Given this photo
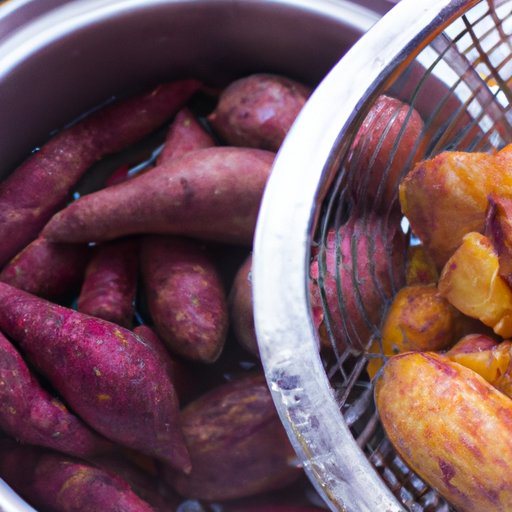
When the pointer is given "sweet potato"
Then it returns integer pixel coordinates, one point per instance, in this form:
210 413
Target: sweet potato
185 134
108 375
56 483
47 269
451 427
387 144
185 296
364 267
109 286
258 110
237 444
241 308
30 414
211 193
36 189
420 267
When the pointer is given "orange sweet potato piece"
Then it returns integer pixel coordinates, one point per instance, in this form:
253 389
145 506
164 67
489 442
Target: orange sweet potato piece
420 267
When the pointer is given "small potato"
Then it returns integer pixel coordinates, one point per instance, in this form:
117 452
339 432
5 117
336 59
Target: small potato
451 427
420 267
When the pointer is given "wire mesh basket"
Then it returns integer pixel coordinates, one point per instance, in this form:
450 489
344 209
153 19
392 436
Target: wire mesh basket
452 63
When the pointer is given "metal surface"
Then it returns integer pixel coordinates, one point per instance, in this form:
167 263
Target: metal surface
459 81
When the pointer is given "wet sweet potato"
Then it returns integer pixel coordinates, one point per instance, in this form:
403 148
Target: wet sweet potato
420 267
107 375
47 269
458 184
110 283
185 295
451 427
211 193
258 110
471 282
37 188
237 444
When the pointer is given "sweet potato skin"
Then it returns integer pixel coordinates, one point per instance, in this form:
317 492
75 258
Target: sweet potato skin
110 283
211 193
258 110
450 426
37 188
185 296
109 376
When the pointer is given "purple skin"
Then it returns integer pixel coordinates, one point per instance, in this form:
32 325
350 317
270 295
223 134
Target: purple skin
185 295
212 193
52 482
185 134
110 283
37 188
112 379
47 269
31 415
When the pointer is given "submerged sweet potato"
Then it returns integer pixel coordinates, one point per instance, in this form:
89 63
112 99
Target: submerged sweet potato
237 444
109 286
451 427
107 375
258 110
30 414
185 296
211 193
37 188
47 269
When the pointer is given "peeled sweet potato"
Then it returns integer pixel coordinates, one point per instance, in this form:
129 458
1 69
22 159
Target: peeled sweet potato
451 427
237 444
37 188
108 375
258 110
185 296
47 269
211 193
420 267
110 283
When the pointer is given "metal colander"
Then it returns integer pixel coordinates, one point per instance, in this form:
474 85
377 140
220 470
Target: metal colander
452 62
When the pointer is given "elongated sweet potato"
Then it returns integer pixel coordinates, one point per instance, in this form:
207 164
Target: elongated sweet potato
185 134
114 381
110 282
237 444
31 415
34 191
47 269
211 193
56 483
451 427
185 296
258 110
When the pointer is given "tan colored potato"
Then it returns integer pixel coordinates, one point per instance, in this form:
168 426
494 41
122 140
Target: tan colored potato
451 427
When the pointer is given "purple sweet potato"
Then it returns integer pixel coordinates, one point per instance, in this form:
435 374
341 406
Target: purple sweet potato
211 193
47 269
258 110
108 375
110 283
185 134
56 483
237 444
31 415
241 308
36 189
185 296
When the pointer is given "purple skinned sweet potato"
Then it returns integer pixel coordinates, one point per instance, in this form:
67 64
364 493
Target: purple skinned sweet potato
47 269
53 482
30 414
184 135
258 110
112 379
212 193
185 295
110 283
40 185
